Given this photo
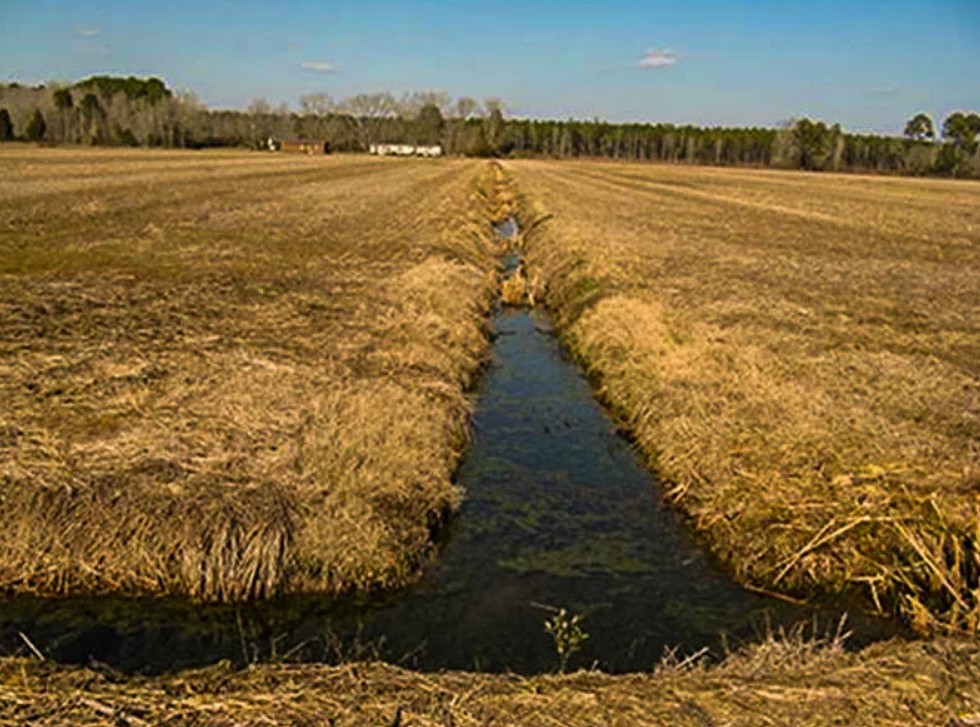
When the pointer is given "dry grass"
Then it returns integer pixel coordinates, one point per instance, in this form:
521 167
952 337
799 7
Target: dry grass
798 355
231 375
786 681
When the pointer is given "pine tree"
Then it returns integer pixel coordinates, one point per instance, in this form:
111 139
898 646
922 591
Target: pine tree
429 125
920 128
6 126
36 127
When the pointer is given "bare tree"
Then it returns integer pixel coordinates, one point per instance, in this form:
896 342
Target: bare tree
316 104
490 105
370 105
366 108
262 120
93 119
410 105
258 106
466 107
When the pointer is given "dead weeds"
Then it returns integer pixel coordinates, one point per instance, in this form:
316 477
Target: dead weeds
787 680
236 376
798 357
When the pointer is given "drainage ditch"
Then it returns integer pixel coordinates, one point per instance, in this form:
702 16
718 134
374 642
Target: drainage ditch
559 513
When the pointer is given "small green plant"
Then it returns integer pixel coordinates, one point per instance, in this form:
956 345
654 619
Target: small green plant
567 632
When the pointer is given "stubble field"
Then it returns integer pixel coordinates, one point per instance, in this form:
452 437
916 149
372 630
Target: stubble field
226 375
229 376
797 355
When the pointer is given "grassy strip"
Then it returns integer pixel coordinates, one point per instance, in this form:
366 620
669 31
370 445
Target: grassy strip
786 681
803 375
224 389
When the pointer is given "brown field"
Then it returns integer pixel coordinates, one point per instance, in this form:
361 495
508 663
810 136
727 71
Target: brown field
230 375
797 355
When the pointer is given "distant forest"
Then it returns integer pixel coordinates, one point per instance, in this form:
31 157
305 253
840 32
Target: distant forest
106 110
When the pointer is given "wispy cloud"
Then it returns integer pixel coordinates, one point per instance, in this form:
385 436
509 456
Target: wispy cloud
91 49
87 31
319 66
885 91
658 59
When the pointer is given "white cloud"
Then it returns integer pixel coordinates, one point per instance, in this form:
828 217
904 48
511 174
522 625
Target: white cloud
87 31
318 66
658 59
883 91
91 49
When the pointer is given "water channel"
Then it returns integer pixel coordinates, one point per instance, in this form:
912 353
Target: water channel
559 512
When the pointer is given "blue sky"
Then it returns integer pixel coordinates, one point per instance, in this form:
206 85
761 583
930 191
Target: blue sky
869 65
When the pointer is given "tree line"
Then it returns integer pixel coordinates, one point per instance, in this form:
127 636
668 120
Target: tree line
107 110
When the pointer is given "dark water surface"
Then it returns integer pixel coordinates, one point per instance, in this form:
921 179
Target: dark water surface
559 511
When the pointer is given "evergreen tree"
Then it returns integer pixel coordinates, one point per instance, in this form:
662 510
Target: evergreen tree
429 125
36 127
811 141
6 126
961 128
63 102
920 128
62 99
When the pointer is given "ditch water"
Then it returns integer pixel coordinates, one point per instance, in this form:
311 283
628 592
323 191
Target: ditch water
559 512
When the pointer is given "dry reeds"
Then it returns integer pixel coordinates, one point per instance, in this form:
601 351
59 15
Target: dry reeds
781 681
226 376
796 355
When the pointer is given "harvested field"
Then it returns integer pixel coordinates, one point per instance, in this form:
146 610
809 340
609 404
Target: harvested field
778 682
797 355
232 375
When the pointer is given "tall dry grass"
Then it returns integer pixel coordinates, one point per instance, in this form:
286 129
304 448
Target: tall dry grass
781 681
229 376
798 357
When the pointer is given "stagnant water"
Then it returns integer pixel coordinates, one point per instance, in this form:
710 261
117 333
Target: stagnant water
559 512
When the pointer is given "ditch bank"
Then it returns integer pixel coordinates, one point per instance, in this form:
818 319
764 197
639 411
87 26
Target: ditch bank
560 514
772 457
